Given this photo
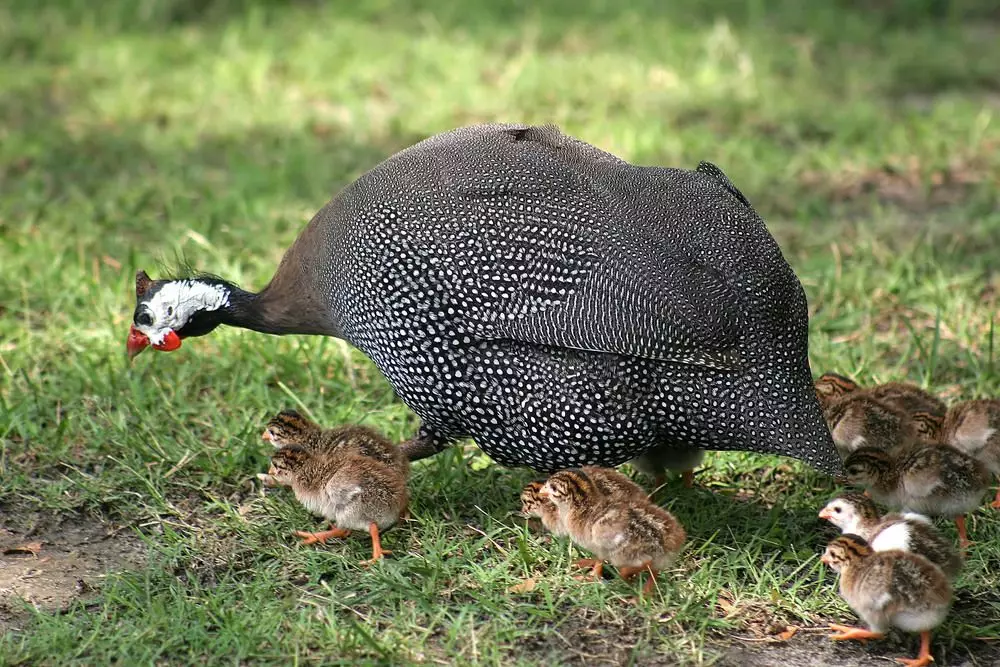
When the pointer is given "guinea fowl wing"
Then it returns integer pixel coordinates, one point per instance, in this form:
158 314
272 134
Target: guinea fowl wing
573 262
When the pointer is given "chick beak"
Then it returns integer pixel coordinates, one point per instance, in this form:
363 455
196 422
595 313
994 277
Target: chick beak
824 559
841 480
136 343
542 493
266 436
826 514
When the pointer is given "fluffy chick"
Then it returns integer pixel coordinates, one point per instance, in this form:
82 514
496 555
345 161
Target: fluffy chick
633 535
889 589
858 420
857 514
934 480
333 478
974 428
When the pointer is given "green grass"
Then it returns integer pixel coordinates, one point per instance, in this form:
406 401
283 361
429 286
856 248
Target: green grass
137 134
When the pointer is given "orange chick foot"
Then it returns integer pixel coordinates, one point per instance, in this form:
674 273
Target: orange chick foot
596 569
322 536
846 632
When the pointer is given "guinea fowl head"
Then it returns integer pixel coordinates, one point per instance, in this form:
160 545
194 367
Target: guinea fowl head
168 311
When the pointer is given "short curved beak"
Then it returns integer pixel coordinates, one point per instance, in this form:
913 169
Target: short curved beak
826 514
542 493
841 480
136 343
266 436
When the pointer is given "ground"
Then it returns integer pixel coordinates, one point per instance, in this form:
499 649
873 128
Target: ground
164 134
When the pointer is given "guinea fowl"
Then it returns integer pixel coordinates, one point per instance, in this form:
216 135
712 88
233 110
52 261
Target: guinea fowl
558 305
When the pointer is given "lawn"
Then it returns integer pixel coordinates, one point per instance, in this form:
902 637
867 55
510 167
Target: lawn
162 133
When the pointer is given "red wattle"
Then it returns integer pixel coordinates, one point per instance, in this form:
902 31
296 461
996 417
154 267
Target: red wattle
170 342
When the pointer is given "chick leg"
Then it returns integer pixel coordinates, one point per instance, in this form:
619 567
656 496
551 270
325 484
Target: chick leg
924 658
377 550
844 632
630 572
963 537
322 536
596 569
996 501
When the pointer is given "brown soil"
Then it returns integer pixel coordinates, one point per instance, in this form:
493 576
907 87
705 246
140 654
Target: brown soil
76 554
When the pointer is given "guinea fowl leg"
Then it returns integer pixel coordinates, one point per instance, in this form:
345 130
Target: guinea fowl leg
377 550
322 536
996 501
924 658
963 537
596 569
844 632
423 445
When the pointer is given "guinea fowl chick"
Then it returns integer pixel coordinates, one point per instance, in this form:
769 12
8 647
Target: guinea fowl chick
534 505
889 589
290 427
974 428
333 478
857 514
926 410
858 420
831 387
658 460
934 480
634 535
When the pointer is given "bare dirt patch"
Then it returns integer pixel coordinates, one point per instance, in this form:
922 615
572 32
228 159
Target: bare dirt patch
814 649
74 555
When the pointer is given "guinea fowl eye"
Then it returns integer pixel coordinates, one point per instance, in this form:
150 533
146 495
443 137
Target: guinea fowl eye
144 319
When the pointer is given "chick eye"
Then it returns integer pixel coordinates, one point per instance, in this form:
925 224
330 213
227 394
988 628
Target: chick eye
837 510
144 319
170 311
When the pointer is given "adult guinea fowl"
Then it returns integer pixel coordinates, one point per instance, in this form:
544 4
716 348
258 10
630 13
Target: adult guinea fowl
557 304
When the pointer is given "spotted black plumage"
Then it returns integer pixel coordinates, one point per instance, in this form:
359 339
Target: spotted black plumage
559 305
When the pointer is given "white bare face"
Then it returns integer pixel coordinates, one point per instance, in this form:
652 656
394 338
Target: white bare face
171 307
843 515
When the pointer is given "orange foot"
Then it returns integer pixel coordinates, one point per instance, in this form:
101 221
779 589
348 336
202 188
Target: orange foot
996 501
630 572
596 569
845 632
322 536
377 551
924 658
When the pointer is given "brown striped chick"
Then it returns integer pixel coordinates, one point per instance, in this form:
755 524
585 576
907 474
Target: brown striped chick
934 480
858 420
857 514
290 427
656 461
535 506
633 535
335 480
974 428
831 387
926 410
889 589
